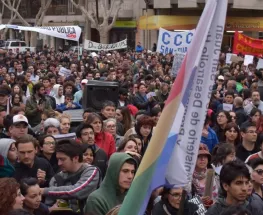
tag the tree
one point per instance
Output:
(38, 20)
(103, 27)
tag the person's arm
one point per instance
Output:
(87, 183)
(30, 110)
(140, 104)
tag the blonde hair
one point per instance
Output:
(64, 115)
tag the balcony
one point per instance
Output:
(62, 10)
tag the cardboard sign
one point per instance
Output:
(260, 64)
(174, 42)
(150, 94)
(236, 59)
(64, 72)
(177, 63)
(227, 107)
(248, 60)
(228, 58)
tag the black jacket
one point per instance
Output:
(101, 160)
(23, 171)
(241, 116)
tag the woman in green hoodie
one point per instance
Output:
(119, 176)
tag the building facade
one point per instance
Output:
(138, 21)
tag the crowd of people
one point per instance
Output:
(51, 165)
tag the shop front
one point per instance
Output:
(251, 26)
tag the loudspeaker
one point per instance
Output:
(96, 92)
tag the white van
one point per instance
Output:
(18, 45)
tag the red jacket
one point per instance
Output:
(106, 142)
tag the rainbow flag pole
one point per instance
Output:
(156, 168)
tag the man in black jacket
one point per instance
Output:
(30, 165)
(85, 134)
(240, 113)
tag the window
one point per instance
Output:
(22, 44)
(14, 44)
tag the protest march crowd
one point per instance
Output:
(51, 165)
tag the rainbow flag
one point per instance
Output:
(171, 155)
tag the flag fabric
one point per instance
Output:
(157, 167)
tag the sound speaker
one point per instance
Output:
(96, 92)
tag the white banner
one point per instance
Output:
(63, 32)
(174, 42)
(89, 45)
(182, 162)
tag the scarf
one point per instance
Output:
(200, 188)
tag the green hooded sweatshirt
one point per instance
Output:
(108, 195)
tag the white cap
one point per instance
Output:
(93, 54)
(19, 118)
(221, 77)
(84, 81)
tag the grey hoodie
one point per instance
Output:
(5, 144)
(220, 206)
(88, 182)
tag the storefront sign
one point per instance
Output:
(174, 42)
(63, 32)
(90, 45)
(190, 22)
(247, 45)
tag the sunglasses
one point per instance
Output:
(259, 171)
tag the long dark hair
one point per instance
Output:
(127, 120)
(220, 152)
(235, 126)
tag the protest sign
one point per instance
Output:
(248, 60)
(201, 208)
(174, 42)
(247, 45)
(228, 58)
(236, 59)
(64, 32)
(260, 64)
(150, 94)
(227, 107)
(64, 72)
(177, 63)
(90, 45)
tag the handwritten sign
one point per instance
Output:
(64, 72)
(90, 45)
(248, 59)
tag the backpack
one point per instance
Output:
(73, 180)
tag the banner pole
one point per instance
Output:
(78, 51)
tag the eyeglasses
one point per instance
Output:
(50, 143)
(259, 171)
(176, 195)
(221, 116)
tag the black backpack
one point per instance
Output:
(73, 180)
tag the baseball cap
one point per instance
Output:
(221, 77)
(84, 81)
(19, 118)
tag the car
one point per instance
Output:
(17, 46)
